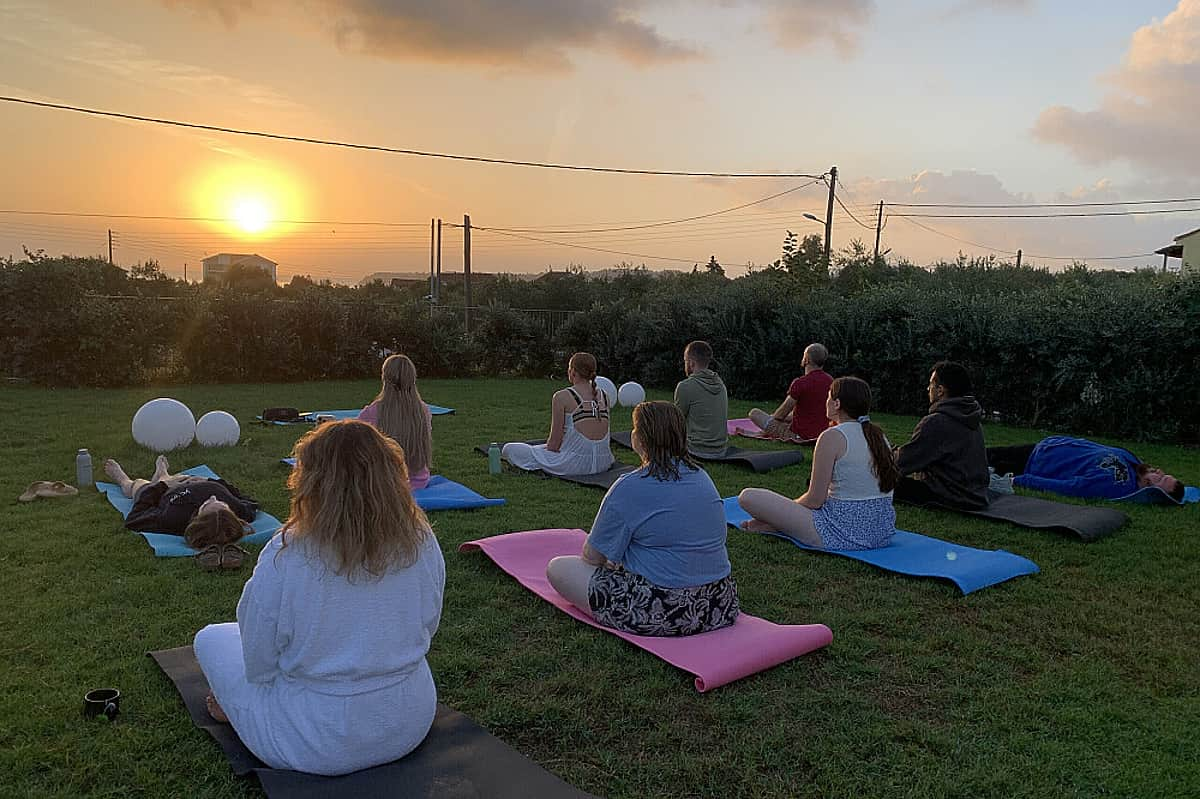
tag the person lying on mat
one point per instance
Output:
(801, 415)
(703, 400)
(578, 442)
(848, 504)
(945, 462)
(325, 670)
(655, 561)
(1076, 467)
(400, 413)
(207, 512)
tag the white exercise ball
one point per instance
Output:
(218, 429)
(164, 424)
(631, 394)
(609, 388)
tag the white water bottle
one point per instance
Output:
(83, 468)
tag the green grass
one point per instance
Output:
(1079, 681)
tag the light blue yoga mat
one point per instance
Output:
(166, 545)
(442, 494)
(921, 556)
(309, 417)
(1153, 495)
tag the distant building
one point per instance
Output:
(217, 266)
(1186, 248)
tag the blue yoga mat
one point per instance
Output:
(166, 545)
(442, 494)
(921, 556)
(309, 417)
(1153, 495)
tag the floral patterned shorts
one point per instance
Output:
(629, 602)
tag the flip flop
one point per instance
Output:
(232, 556)
(32, 492)
(209, 558)
(57, 489)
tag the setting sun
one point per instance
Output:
(251, 215)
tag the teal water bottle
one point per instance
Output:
(494, 458)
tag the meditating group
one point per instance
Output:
(325, 669)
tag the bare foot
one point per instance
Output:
(161, 469)
(757, 526)
(114, 470)
(215, 710)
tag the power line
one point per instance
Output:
(1046, 205)
(1055, 216)
(657, 224)
(596, 249)
(162, 218)
(398, 150)
(1030, 255)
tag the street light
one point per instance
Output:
(814, 218)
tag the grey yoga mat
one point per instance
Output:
(457, 760)
(601, 480)
(757, 459)
(1089, 523)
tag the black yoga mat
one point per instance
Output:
(1089, 523)
(601, 480)
(757, 459)
(457, 760)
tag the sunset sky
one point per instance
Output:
(952, 101)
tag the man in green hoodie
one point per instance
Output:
(704, 401)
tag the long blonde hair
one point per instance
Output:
(402, 412)
(350, 497)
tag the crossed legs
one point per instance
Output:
(570, 575)
(776, 513)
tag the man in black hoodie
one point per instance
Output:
(946, 461)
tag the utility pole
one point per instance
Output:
(878, 230)
(185, 271)
(467, 270)
(829, 215)
(110, 246)
(432, 246)
(1018, 259)
(437, 283)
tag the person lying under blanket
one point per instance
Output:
(1077, 467)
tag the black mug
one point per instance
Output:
(102, 702)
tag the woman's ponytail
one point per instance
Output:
(883, 463)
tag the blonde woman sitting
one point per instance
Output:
(848, 504)
(578, 442)
(400, 413)
(325, 669)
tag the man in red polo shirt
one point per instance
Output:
(801, 416)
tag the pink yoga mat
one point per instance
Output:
(746, 428)
(747, 647)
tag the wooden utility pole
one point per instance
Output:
(110, 246)
(437, 283)
(467, 270)
(878, 230)
(1018, 259)
(432, 249)
(185, 271)
(829, 215)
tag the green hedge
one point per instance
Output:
(1090, 352)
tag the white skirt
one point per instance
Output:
(577, 455)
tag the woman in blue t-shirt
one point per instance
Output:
(655, 562)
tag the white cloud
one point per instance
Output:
(798, 24)
(1150, 116)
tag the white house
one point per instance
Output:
(1186, 248)
(216, 266)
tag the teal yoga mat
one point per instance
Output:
(921, 556)
(166, 545)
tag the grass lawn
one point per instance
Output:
(1079, 681)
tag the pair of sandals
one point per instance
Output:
(216, 557)
(48, 489)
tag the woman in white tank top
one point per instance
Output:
(848, 505)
